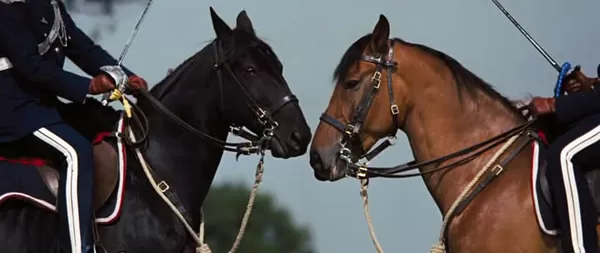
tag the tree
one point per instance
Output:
(270, 228)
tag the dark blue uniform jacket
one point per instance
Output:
(577, 106)
(29, 90)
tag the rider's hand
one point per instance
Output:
(542, 106)
(577, 81)
(137, 83)
(101, 84)
(572, 85)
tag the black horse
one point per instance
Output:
(234, 81)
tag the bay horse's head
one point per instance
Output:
(369, 102)
(255, 93)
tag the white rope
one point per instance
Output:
(203, 247)
(199, 238)
(146, 168)
(364, 184)
(257, 179)
(440, 247)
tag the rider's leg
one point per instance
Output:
(72, 154)
(567, 156)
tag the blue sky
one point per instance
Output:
(310, 36)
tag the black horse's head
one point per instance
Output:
(254, 92)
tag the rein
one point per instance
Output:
(473, 152)
(254, 145)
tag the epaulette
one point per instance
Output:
(11, 1)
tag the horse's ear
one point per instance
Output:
(243, 22)
(380, 35)
(222, 30)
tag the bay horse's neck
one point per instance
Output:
(187, 162)
(447, 117)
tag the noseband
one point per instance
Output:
(352, 149)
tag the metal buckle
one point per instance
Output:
(376, 79)
(497, 169)
(260, 113)
(163, 186)
(349, 129)
(394, 109)
(247, 149)
(361, 173)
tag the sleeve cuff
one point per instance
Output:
(80, 87)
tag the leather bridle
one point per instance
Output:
(352, 152)
(255, 143)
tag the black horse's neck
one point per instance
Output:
(187, 162)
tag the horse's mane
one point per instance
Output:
(163, 86)
(465, 79)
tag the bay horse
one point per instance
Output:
(235, 81)
(481, 157)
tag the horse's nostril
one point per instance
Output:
(295, 140)
(315, 160)
(297, 137)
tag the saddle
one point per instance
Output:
(106, 171)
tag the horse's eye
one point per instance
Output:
(351, 84)
(251, 70)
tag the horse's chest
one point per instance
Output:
(142, 230)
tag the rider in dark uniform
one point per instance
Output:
(35, 38)
(574, 151)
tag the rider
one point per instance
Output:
(35, 38)
(574, 151)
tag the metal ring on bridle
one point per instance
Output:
(345, 154)
(268, 132)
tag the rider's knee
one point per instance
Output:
(555, 153)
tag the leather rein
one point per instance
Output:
(255, 144)
(355, 157)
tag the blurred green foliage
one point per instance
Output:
(271, 228)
